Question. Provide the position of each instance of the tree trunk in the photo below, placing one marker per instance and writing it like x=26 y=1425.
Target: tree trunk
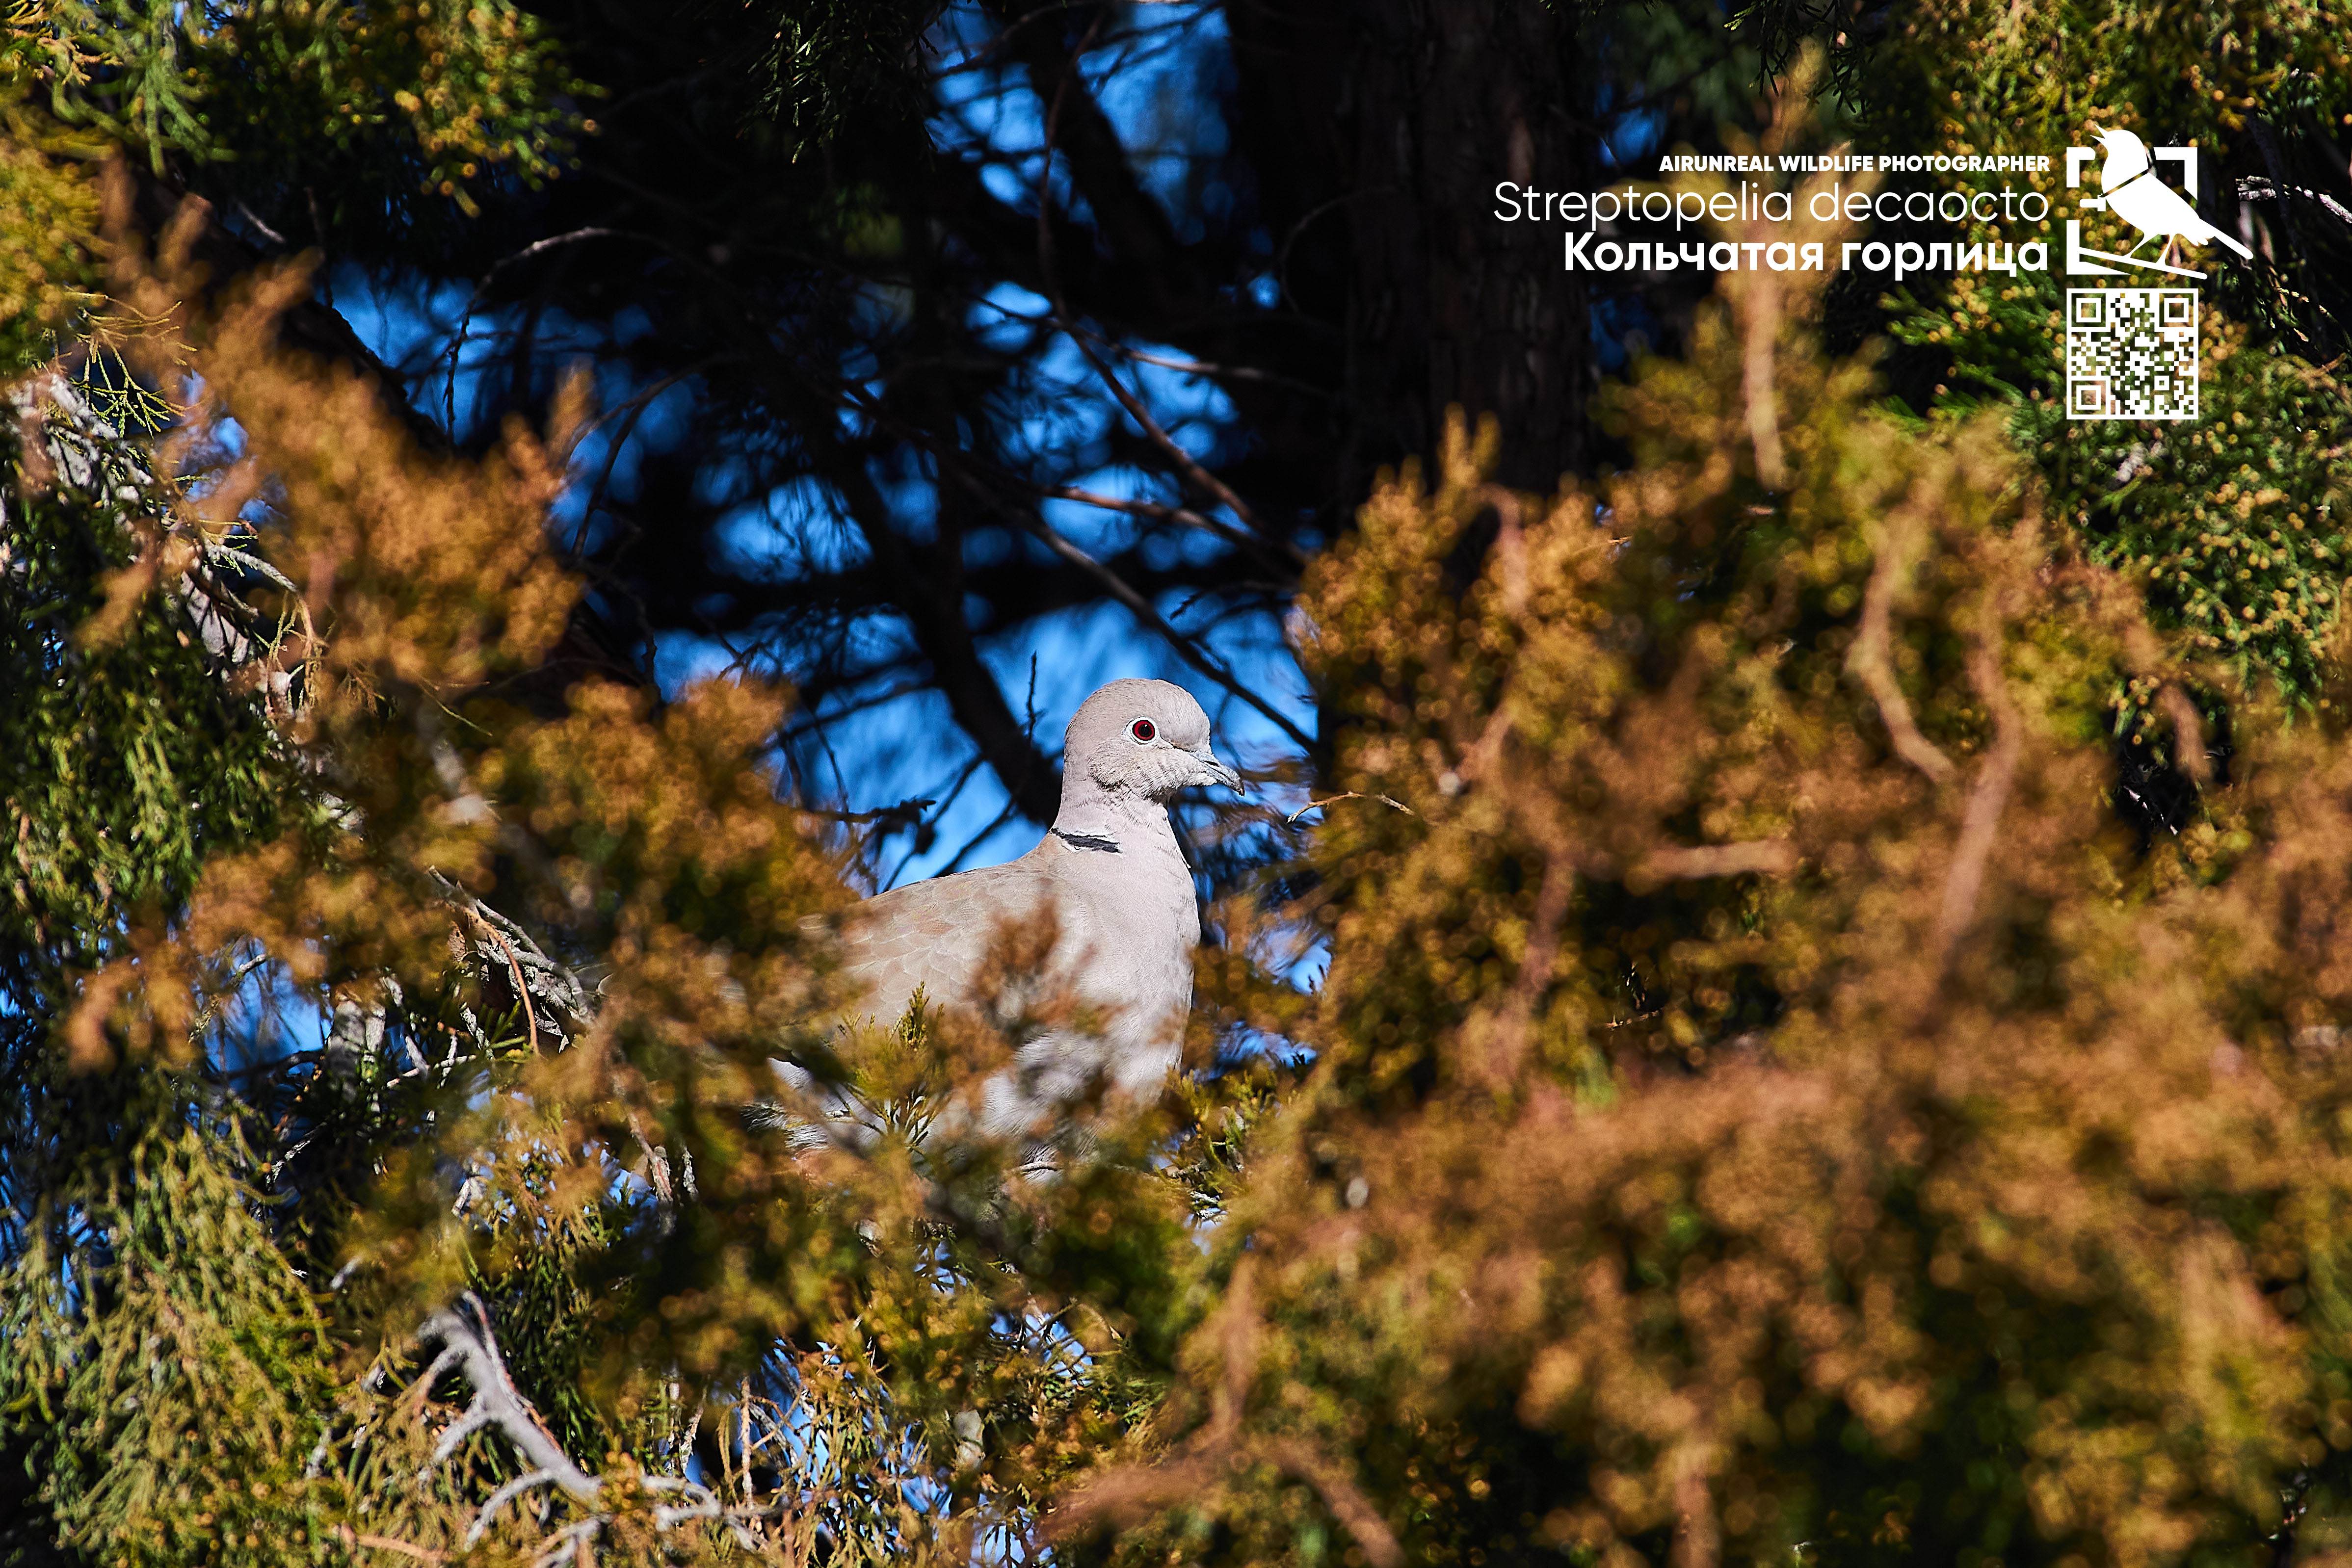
x=1456 y=307
x=1399 y=118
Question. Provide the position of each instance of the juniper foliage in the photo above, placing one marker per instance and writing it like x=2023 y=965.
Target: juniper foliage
x=2234 y=522
x=1766 y=1100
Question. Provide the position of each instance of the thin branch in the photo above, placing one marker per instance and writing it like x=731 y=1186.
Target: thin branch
x=931 y=592
x=1350 y=795
x=572 y=1538
x=497 y=1403
x=915 y=840
x=1346 y=1501
x=1986 y=802
x=272 y=235
x=1185 y=463
x=907 y=810
x=1543 y=930
x=956 y=862
x=1761 y=299
x=500 y=1498
x=2256 y=189
x=706 y=1505
x=550 y=242
x=657 y=1160
x=1870 y=661
x=1282 y=253
x=2188 y=733
x=522 y=991
x=466 y=318
x=1220 y=1449
x=1682 y=864
x=1291 y=554
x=1130 y=1493
x=1144 y=611
x=636 y=405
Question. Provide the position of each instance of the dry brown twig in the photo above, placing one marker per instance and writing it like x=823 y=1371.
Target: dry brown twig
x=1871 y=661
x=1511 y=548
x=2188 y=732
x=1987 y=800
x=514 y=967
x=1697 y=1538
x=354 y=1540
x=1350 y=795
x=1771 y=856
x=1762 y=306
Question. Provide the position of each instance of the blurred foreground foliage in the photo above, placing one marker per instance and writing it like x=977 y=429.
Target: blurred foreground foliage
x=273 y=1299
x=1768 y=1101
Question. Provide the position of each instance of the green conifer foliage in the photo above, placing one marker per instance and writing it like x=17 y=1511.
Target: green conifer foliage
x=162 y=1355
x=510 y=1268
x=46 y=274
x=127 y=755
x=1765 y=1105
x=469 y=85
x=2236 y=522
x=180 y=1368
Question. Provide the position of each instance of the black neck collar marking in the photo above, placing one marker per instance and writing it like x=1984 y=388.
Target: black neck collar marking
x=1103 y=842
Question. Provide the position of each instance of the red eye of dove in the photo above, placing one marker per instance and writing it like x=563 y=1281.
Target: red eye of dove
x=1143 y=731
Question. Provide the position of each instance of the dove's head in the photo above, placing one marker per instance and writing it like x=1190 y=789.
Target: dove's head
x=1146 y=739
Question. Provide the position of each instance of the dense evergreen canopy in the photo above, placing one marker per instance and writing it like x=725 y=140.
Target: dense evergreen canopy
x=1783 y=994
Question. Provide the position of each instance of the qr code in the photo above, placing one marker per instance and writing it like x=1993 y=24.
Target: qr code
x=2131 y=353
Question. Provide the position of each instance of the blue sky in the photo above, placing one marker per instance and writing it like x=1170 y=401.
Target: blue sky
x=1149 y=84
x=875 y=748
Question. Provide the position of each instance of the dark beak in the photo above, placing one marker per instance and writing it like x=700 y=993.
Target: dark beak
x=1212 y=771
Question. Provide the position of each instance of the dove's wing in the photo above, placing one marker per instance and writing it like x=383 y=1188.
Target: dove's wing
x=1127 y=925
x=936 y=934
x=932 y=935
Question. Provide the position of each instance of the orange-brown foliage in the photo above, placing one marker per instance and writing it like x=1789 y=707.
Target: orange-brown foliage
x=1767 y=1101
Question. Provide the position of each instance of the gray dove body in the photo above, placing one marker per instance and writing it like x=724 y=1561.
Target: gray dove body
x=1117 y=886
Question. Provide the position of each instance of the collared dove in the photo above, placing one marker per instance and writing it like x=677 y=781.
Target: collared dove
x=1117 y=888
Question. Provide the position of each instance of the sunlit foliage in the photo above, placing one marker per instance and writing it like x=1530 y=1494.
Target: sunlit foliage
x=1761 y=1095
x=1767 y=1104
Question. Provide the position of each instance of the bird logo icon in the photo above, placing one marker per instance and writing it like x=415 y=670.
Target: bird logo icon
x=2129 y=189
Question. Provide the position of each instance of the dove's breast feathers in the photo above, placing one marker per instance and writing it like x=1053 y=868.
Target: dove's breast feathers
x=1115 y=884
x=1126 y=922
